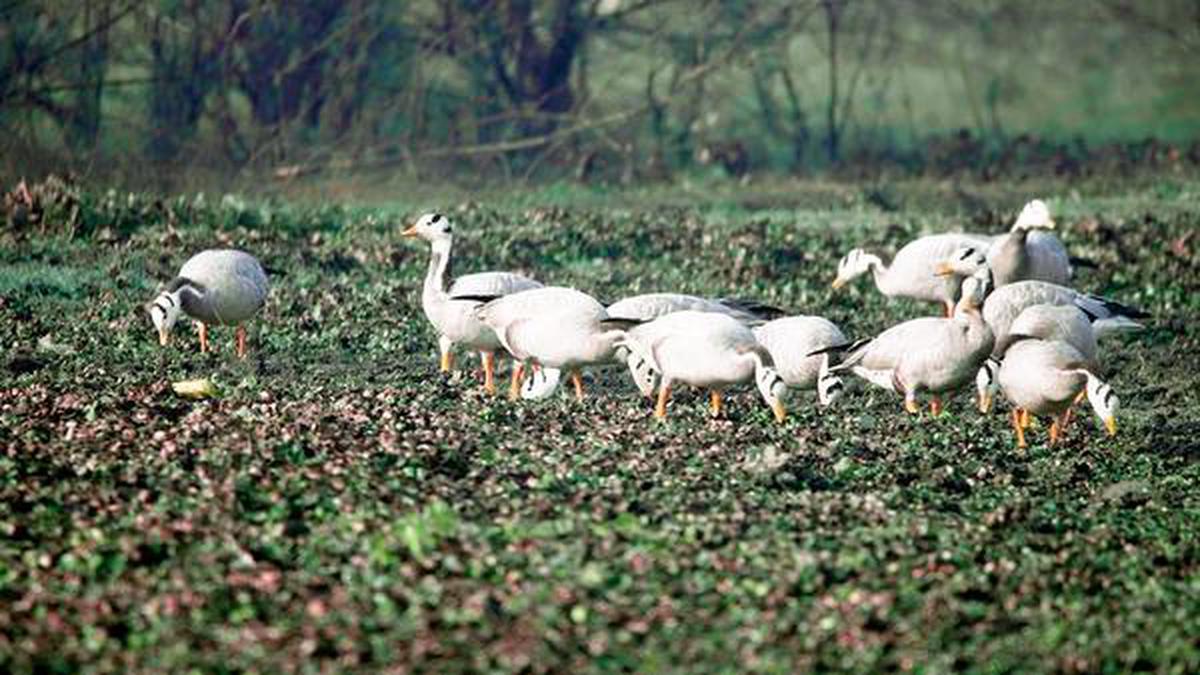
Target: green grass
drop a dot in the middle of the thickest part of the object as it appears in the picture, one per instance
(341, 505)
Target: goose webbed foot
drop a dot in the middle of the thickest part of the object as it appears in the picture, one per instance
(715, 402)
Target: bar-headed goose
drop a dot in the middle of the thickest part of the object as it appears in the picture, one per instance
(1005, 303)
(709, 350)
(650, 306)
(215, 287)
(912, 272)
(455, 320)
(1064, 323)
(933, 355)
(791, 340)
(552, 327)
(1029, 252)
(1045, 377)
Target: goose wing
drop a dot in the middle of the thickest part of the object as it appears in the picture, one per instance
(491, 284)
(912, 271)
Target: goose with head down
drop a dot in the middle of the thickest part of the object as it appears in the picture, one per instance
(928, 355)
(1046, 377)
(791, 341)
(553, 327)
(1063, 323)
(704, 349)
(649, 306)
(455, 320)
(912, 271)
(214, 287)
(1005, 303)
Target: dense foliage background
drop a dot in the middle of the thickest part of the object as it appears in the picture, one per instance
(180, 90)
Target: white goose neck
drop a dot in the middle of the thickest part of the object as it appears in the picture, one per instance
(439, 265)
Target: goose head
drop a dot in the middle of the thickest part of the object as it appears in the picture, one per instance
(433, 228)
(852, 265)
(164, 312)
(975, 289)
(987, 384)
(1035, 216)
(829, 385)
(641, 365)
(962, 263)
(1104, 402)
(772, 388)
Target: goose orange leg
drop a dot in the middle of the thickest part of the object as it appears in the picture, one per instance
(1018, 427)
(489, 372)
(715, 402)
(202, 331)
(578, 382)
(935, 406)
(664, 393)
(241, 342)
(518, 375)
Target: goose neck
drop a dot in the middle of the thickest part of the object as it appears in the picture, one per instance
(439, 265)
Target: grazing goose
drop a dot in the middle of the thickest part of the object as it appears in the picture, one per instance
(912, 272)
(932, 355)
(216, 287)
(790, 340)
(551, 327)
(1027, 252)
(1005, 303)
(1064, 323)
(455, 320)
(1045, 377)
(650, 306)
(709, 350)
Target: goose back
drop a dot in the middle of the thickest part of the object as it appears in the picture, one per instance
(232, 286)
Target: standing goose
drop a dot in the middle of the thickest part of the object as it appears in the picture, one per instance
(216, 287)
(552, 327)
(1045, 377)
(650, 306)
(932, 355)
(455, 320)
(709, 350)
(1028, 253)
(1064, 323)
(912, 272)
(790, 341)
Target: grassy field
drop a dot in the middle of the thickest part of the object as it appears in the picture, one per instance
(341, 505)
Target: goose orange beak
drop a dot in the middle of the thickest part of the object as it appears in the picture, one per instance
(837, 283)
(779, 410)
(1110, 423)
(943, 270)
(985, 403)
(410, 232)
(163, 338)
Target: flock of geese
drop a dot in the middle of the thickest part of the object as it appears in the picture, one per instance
(1010, 324)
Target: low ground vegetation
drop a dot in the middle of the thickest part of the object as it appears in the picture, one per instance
(341, 504)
